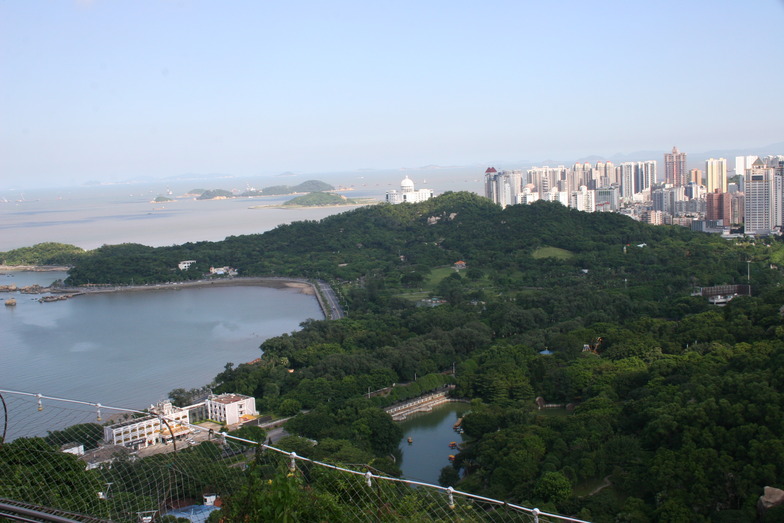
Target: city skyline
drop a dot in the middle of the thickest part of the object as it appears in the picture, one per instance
(108, 92)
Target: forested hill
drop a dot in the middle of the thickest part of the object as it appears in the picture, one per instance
(677, 406)
(396, 240)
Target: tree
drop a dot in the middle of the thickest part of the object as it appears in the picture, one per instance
(553, 487)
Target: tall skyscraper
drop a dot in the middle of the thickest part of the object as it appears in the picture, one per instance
(675, 172)
(646, 176)
(716, 175)
(628, 175)
(761, 199)
(503, 187)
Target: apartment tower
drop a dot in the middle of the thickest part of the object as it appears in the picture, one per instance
(675, 172)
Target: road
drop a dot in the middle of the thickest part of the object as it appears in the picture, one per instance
(336, 311)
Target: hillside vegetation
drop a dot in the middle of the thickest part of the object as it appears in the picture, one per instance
(319, 199)
(49, 253)
(678, 404)
(304, 187)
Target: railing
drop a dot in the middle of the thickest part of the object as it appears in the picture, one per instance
(125, 485)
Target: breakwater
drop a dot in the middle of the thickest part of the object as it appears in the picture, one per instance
(424, 403)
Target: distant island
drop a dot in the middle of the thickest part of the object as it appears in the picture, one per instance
(305, 187)
(215, 194)
(320, 199)
(309, 186)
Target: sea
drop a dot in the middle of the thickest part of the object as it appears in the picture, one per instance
(90, 216)
(130, 349)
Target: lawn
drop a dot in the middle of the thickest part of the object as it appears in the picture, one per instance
(436, 275)
(552, 252)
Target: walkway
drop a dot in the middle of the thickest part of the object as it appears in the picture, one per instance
(421, 404)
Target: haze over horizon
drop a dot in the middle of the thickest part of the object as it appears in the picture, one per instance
(94, 90)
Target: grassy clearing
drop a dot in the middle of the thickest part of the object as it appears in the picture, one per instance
(436, 275)
(552, 252)
(414, 295)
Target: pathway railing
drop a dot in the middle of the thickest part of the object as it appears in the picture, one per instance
(125, 485)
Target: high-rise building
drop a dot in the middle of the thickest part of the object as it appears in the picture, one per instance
(628, 176)
(607, 199)
(490, 183)
(718, 206)
(742, 163)
(503, 187)
(761, 199)
(695, 175)
(582, 199)
(738, 208)
(716, 175)
(646, 175)
(675, 172)
(637, 177)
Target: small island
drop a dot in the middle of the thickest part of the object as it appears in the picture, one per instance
(274, 190)
(320, 199)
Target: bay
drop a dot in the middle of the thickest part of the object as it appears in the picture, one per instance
(130, 349)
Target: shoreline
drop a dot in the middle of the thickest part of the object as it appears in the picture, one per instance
(34, 268)
(329, 307)
(340, 205)
(303, 286)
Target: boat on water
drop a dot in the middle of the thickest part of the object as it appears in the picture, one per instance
(10, 302)
(410, 440)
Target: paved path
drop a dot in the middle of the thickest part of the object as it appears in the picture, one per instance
(332, 303)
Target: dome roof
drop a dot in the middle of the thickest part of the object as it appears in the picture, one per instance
(407, 183)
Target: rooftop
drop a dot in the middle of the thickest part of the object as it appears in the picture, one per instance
(228, 398)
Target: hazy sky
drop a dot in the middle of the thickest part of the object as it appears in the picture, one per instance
(108, 90)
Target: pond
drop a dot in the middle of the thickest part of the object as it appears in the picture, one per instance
(431, 434)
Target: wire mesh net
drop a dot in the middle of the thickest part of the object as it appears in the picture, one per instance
(87, 462)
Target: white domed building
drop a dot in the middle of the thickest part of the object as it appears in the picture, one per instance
(408, 194)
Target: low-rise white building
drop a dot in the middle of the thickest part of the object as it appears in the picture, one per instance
(230, 408)
(145, 431)
(185, 264)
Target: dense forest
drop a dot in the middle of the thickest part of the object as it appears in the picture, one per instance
(676, 408)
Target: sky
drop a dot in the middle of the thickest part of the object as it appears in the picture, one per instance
(106, 90)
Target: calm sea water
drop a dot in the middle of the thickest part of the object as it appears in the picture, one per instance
(130, 349)
(431, 433)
